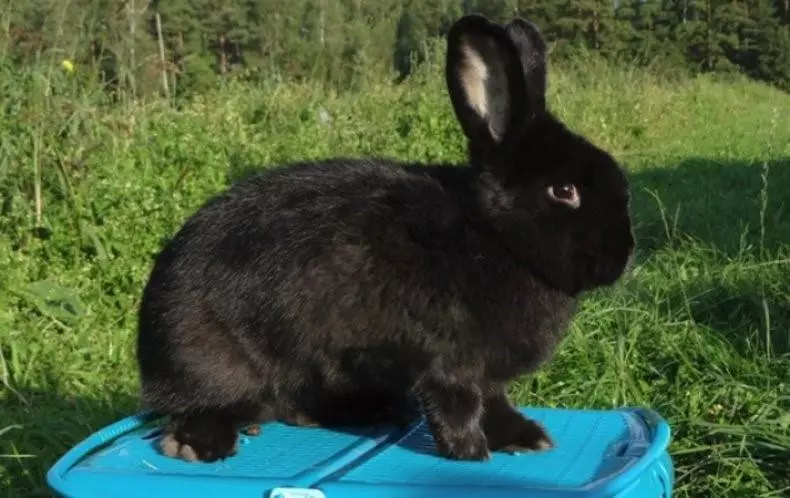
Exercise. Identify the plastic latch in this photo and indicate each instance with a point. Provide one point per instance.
(296, 493)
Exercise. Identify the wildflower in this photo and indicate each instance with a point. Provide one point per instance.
(67, 65)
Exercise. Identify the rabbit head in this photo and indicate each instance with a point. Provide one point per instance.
(554, 199)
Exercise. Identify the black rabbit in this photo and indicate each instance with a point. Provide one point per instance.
(357, 291)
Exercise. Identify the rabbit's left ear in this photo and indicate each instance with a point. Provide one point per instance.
(495, 76)
(532, 52)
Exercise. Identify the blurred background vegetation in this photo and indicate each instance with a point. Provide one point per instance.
(180, 47)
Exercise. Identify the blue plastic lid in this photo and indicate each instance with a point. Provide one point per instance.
(598, 453)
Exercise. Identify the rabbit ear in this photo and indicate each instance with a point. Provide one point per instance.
(532, 51)
(491, 71)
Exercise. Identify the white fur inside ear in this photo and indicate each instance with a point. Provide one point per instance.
(473, 74)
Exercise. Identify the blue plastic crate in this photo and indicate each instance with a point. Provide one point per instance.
(617, 453)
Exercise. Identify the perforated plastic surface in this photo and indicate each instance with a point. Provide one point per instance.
(599, 453)
(291, 455)
(578, 461)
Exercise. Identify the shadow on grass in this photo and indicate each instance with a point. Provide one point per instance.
(729, 206)
(41, 427)
(716, 234)
(736, 211)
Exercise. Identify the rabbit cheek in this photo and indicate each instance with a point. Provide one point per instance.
(623, 253)
(614, 255)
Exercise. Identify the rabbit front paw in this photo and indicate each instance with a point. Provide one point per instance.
(523, 436)
(454, 413)
(201, 437)
(467, 445)
(509, 431)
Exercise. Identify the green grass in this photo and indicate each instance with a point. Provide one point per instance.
(700, 331)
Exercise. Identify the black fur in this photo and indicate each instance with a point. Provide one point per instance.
(344, 292)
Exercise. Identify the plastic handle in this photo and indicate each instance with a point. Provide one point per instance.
(296, 493)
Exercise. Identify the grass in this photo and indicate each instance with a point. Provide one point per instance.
(700, 331)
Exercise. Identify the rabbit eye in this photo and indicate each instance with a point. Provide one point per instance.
(565, 193)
